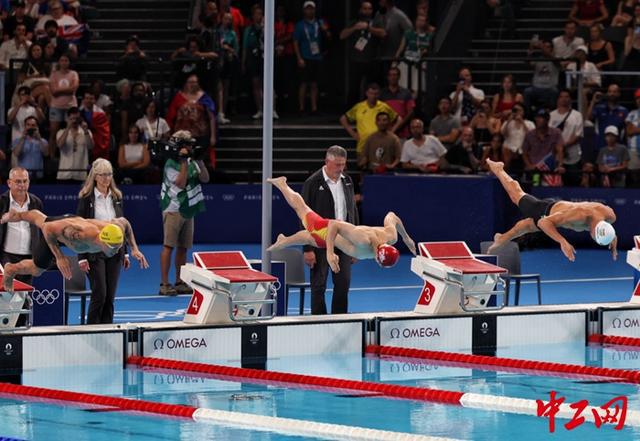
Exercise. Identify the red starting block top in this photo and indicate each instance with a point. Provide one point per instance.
(439, 250)
(220, 259)
(17, 286)
(240, 275)
(472, 266)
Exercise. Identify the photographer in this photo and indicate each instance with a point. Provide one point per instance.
(74, 142)
(181, 200)
(29, 149)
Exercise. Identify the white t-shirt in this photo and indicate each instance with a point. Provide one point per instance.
(339, 199)
(573, 126)
(563, 50)
(429, 152)
(514, 134)
(18, 236)
(74, 155)
(478, 94)
(153, 130)
(133, 152)
(17, 127)
(9, 50)
(590, 74)
(65, 20)
(103, 209)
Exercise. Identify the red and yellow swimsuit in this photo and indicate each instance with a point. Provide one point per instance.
(318, 227)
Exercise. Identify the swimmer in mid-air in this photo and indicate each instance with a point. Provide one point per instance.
(360, 242)
(548, 215)
(78, 234)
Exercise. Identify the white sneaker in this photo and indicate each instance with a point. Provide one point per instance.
(222, 119)
(257, 115)
(275, 115)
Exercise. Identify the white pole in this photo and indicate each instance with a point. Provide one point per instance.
(267, 131)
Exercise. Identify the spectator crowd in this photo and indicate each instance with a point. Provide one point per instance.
(58, 127)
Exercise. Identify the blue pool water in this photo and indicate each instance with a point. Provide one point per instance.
(41, 421)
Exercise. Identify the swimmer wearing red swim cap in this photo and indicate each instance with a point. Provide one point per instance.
(361, 242)
(548, 215)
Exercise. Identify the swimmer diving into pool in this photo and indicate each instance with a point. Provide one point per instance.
(548, 215)
(360, 241)
(78, 234)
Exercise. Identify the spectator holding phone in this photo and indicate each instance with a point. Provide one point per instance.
(28, 151)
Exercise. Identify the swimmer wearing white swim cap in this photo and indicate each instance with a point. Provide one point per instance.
(548, 215)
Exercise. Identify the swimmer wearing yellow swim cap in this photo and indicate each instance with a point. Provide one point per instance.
(76, 233)
(112, 235)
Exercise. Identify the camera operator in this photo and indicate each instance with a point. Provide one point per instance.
(181, 200)
(29, 149)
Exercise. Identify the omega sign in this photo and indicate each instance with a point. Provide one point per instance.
(179, 343)
(414, 332)
(625, 323)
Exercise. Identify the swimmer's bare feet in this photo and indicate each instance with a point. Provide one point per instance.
(276, 246)
(495, 167)
(496, 243)
(282, 180)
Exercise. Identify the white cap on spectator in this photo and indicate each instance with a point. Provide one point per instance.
(309, 3)
(611, 130)
(582, 48)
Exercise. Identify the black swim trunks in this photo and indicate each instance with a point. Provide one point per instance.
(43, 257)
(534, 208)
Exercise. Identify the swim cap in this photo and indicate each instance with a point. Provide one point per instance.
(604, 233)
(111, 235)
(387, 256)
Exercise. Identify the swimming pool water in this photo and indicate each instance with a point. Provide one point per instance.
(42, 421)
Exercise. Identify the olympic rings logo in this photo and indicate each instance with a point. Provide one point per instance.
(45, 296)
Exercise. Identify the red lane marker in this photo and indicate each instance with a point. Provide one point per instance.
(175, 410)
(389, 390)
(627, 375)
(614, 340)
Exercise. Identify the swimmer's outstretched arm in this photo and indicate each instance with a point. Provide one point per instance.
(332, 233)
(35, 217)
(549, 226)
(50, 232)
(394, 223)
(128, 233)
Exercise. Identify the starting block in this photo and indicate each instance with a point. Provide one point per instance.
(226, 289)
(633, 259)
(455, 280)
(11, 306)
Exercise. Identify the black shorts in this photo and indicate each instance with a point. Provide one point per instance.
(311, 71)
(43, 257)
(534, 208)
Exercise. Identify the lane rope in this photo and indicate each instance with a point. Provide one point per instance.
(470, 400)
(614, 340)
(501, 363)
(242, 420)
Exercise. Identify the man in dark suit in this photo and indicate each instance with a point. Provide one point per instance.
(329, 192)
(18, 239)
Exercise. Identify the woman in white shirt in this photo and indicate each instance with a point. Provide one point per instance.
(133, 157)
(101, 199)
(514, 130)
(151, 125)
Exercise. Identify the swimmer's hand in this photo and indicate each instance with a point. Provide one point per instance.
(411, 245)
(126, 263)
(64, 266)
(333, 260)
(140, 258)
(568, 250)
(10, 216)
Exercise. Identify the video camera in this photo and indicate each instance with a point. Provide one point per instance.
(160, 150)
